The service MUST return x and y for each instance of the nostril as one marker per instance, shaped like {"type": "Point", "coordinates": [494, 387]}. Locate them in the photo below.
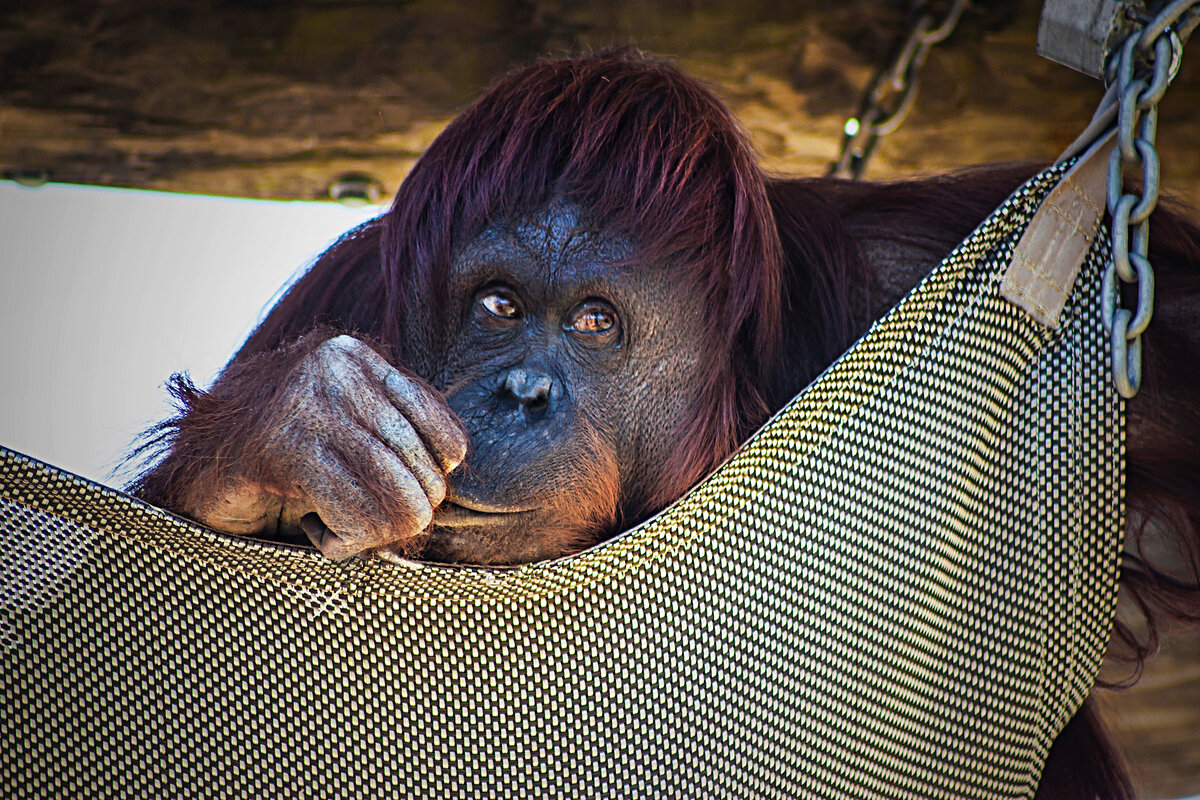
{"type": "Point", "coordinates": [536, 402]}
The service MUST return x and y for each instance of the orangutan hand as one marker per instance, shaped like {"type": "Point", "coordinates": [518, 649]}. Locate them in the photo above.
{"type": "Point", "coordinates": [354, 452]}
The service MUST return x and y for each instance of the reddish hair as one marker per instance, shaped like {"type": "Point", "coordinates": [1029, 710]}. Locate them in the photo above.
{"type": "Point", "coordinates": [648, 153]}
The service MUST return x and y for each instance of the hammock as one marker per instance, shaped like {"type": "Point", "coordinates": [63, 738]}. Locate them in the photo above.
{"type": "Point", "coordinates": [900, 587]}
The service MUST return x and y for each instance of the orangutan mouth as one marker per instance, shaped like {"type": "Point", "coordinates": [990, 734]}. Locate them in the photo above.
{"type": "Point", "coordinates": [463, 513]}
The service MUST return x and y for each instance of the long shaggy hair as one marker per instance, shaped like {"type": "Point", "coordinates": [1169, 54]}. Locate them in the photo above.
{"type": "Point", "coordinates": [650, 154]}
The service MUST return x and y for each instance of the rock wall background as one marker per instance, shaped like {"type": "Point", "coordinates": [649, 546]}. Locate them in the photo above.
{"type": "Point", "coordinates": [279, 99]}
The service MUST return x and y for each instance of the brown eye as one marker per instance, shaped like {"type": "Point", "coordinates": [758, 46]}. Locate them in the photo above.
{"type": "Point", "coordinates": [499, 304]}
{"type": "Point", "coordinates": [593, 319]}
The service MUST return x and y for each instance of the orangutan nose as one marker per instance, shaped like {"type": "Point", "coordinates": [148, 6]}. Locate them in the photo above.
{"type": "Point", "coordinates": [531, 388]}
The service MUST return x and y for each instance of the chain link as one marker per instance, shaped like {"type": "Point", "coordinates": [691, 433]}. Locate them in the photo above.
{"type": "Point", "coordinates": [1142, 69]}
{"type": "Point", "coordinates": [890, 96]}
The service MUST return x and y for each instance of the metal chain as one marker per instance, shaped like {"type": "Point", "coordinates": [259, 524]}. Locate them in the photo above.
{"type": "Point", "coordinates": [890, 96]}
{"type": "Point", "coordinates": [1142, 69]}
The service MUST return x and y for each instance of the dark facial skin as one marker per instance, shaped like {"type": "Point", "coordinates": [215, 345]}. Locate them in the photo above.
{"type": "Point", "coordinates": [569, 364]}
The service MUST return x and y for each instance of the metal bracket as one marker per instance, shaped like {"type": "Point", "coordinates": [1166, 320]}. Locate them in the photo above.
{"type": "Point", "coordinates": [1082, 34]}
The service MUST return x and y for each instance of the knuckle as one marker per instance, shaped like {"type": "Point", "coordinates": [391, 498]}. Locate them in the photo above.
{"type": "Point", "coordinates": [342, 343]}
{"type": "Point", "coordinates": [336, 353]}
{"type": "Point", "coordinates": [324, 362]}
{"type": "Point", "coordinates": [396, 381]}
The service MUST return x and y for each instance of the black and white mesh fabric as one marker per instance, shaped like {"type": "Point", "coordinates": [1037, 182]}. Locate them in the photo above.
{"type": "Point", "coordinates": [901, 587]}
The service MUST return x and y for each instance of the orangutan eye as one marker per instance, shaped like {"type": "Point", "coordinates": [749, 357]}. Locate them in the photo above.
{"type": "Point", "coordinates": [593, 318]}
{"type": "Point", "coordinates": [500, 304]}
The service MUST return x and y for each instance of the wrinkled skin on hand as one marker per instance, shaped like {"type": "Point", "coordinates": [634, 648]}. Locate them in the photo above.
{"type": "Point", "coordinates": [359, 462]}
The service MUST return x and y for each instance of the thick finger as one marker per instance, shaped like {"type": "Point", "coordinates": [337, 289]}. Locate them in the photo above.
{"type": "Point", "coordinates": [419, 403]}
{"type": "Point", "coordinates": [363, 395]}
{"type": "Point", "coordinates": [379, 416]}
{"type": "Point", "coordinates": [376, 502]}
{"type": "Point", "coordinates": [348, 512]}
{"type": "Point", "coordinates": [432, 418]}
{"type": "Point", "coordinates": [398, 491]}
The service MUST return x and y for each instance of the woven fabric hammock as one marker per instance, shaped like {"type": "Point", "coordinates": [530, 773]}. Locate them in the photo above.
{"type": "Point", "coordinates": [900, 587]}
